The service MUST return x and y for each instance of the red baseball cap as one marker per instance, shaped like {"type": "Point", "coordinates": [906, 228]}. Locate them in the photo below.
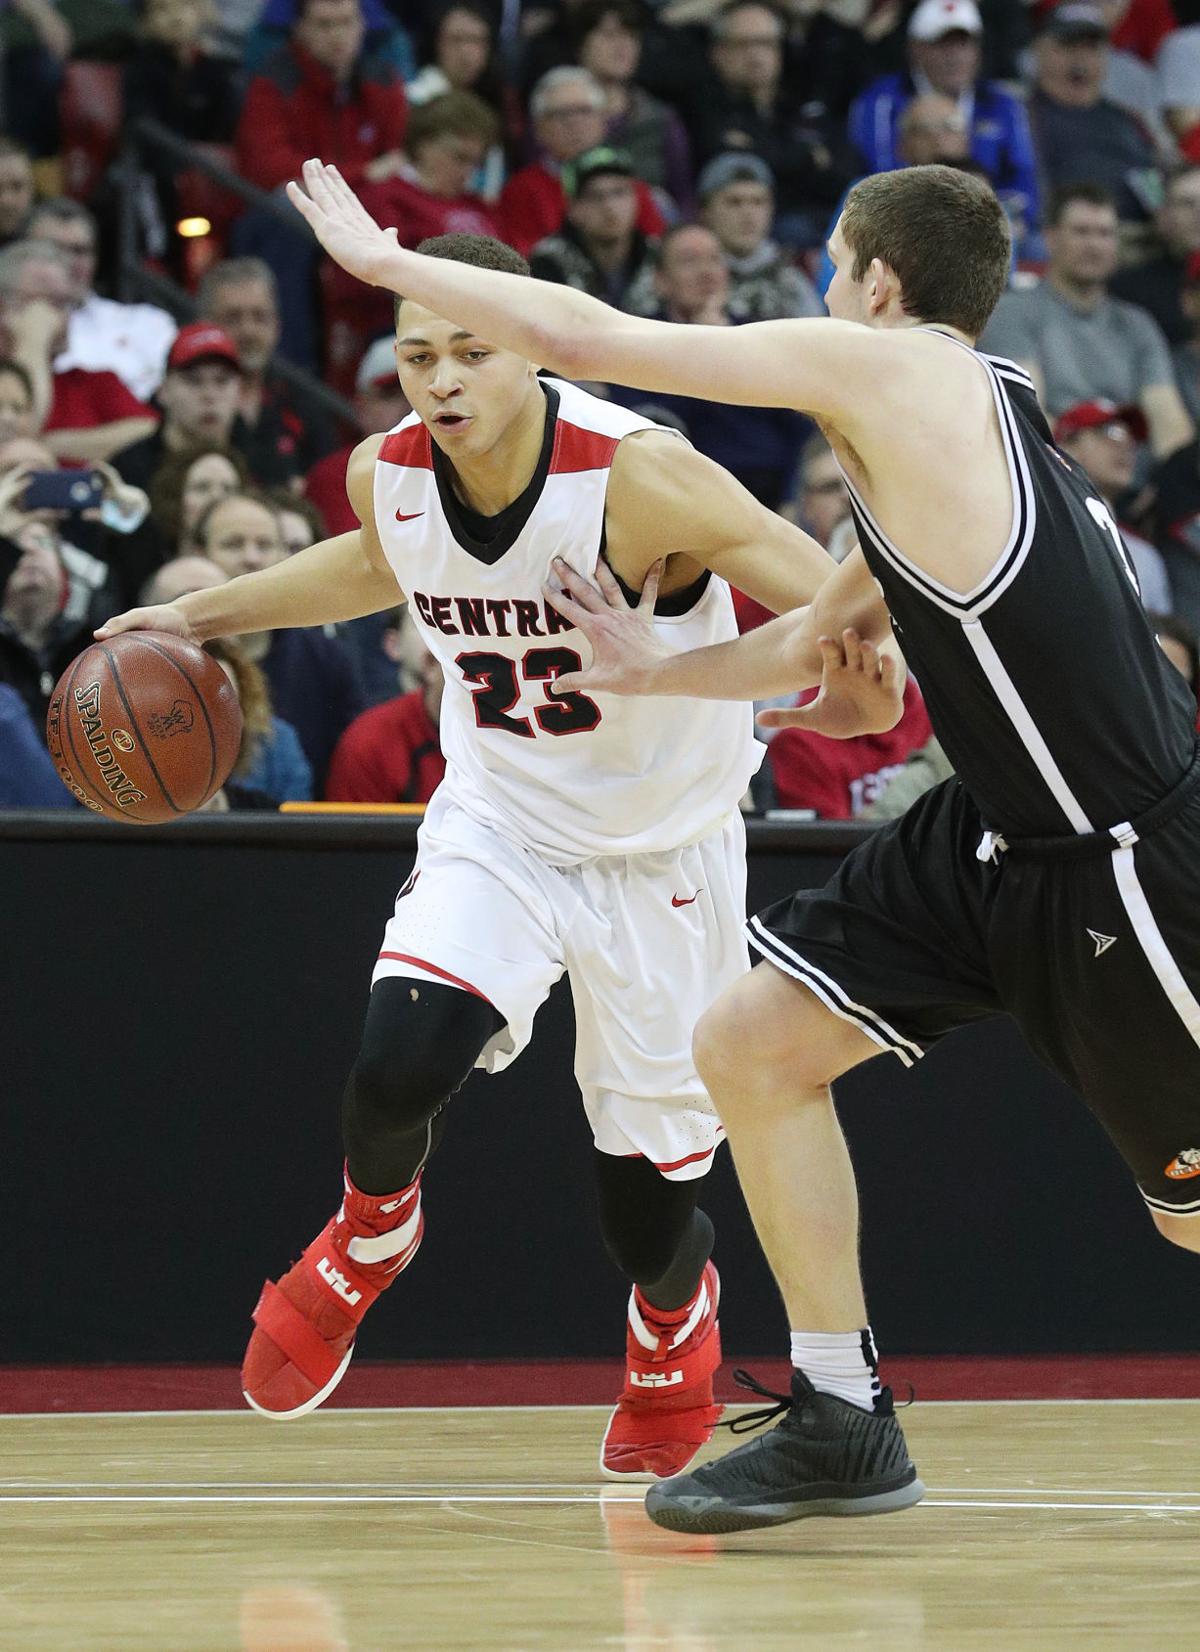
{"type": "Point", "coordinates": [1095, 415]}
{"type": "Point", "coordinates": [201, 341]}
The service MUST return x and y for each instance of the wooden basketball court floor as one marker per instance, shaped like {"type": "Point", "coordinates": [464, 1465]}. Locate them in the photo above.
{"type": "Point", "coordinates": [1047, 1525]}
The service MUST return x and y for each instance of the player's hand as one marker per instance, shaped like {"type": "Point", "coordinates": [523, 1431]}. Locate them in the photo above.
{"type": "Point", "coordinates": [342, 224]}
{"type": "Point", "coordinates": [625, 646]}
{"type": "Point", "coordinates": [861, 692]}
{"type": "Point", "coordinates": [164, 617]}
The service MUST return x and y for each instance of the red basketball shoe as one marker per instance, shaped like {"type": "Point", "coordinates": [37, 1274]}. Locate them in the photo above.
{"type": "Point", "coordinates": [306, 1324]}
{"type": "Point", "coordinates": [666, 1410]}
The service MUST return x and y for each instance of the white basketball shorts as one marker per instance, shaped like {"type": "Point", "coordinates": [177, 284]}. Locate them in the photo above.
{"type": "Point", "coordinates": [647, 942]}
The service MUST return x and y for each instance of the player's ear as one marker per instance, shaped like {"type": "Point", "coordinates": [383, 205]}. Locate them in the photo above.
{"type": "Point", "coordinates": [881, 282]}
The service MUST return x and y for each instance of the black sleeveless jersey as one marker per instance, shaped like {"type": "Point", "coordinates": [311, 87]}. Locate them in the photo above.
{"type": "Point", "coordinates": [1045, 684]}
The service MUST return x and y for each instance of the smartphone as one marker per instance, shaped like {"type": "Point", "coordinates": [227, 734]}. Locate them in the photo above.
{"type": "Point", "coordinates": [63, 490]}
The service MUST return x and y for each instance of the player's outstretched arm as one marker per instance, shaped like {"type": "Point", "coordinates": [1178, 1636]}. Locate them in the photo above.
{"type": "Point", "coordinates": [862, 683]}
{"type": "Point", "coordinates": [336, 579]}
{"type": "Point", "coordinates": [821, 366]}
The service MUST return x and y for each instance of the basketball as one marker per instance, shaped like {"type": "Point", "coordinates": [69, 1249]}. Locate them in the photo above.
{"type": "Point", "coordinates": [144, 727]}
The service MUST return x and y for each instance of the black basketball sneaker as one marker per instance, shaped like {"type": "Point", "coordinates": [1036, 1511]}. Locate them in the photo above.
{"type": "Point", "coordinates": [825, 1457]}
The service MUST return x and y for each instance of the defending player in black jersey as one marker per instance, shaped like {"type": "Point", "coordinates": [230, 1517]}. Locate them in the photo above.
{"type": "Point", "coordinates": [1057, 878]}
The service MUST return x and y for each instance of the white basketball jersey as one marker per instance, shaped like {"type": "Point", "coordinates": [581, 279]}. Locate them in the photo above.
{"type": "Point", "coordinates": [582, 775]}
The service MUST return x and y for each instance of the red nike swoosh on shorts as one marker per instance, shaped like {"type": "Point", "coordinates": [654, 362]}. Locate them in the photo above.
{"type": "Point", "coordinates": [408, 516]}
{"type": "Point", "coordinates": [675, 900]}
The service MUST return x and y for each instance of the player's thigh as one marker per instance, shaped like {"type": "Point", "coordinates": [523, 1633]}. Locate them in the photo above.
{"type": "Point", "coordinates": [769, 1030]}
{"type": "Point", "coordinates": [478, 914]}
{"type": "Point", "coordinates": [653, 939]}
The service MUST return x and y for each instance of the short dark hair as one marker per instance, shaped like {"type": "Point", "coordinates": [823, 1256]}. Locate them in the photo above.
{"type": "Point", "coordinates": [1067, 195]}
{"type": "Point", "coordinates": [592, 13]}
{"type": "Point", "coordinates": [943, 233]}
{"type": "Point", "coordinates": [481, 252]}
{"type": "Point", "coordinates": [456, 114]}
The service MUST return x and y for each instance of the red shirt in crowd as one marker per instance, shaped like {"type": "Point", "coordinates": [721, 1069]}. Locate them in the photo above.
{"type": "Point", "coordinates": [389, 754]}
{"type": "Point", "coordinates": [325, 487]}
{"type": "Point", "coordinates": [401, 204]}
{"type": "Point", "coordinates": [295, 109]}
{"type": "Point", "coordinates": [82, 400]}
{"type": "Point", "coordinates": [532, 206]}
{"type": "Point", "coordinates": [839, 778]}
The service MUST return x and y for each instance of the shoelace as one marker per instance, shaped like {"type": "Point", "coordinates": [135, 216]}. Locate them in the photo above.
{"type": "Point", "coordinates": [768, 1413]}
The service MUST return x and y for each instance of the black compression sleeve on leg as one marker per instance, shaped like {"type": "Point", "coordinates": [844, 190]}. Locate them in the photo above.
{"type": "Point", "coordinates": [652, 1229]}
{"type": "Point", "coordinates": [419, 1044]}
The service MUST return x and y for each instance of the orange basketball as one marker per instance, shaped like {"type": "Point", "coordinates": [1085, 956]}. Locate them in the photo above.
{"type": "Point", "coordinates": [144, 727]}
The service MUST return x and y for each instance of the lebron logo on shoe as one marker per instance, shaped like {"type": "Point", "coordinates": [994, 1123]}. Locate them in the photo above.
{"type": "Point", "coordinates": [1184, 1165]}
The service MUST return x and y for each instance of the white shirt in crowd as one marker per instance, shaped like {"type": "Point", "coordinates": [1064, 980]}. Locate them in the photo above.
{"type": "Point", "coordinates": [130, 340]}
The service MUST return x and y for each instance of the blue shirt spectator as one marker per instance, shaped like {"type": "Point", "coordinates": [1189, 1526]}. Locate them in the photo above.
{"type": "Point", "coordinates": [945, 55]}
{"type": "Point", "coordinates": [27, 777]}
{"type": "Point", "coordinates": [280, 768]}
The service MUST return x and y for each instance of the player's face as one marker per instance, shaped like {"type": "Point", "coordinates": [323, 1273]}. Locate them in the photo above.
{"type": "Point", "coordinates": [465, 390]}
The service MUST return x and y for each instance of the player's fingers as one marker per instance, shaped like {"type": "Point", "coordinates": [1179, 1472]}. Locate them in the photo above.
{"type": "Point", "coordinates": [784, 716]}
{"type": "Point", "coordinates": [889, 671]}
{"type": "Point", "coordinates": [130, 621]}
{"type": "Point", "coordinates": [567, 683]}
{"type": "Point", "coordinates": [584, 592]}
{"type": "Point", "coordinates": [610, 585]}
{"type": "Point", "coordinates": [831, 653]}
{"type": "Point", "coordinates": [870, 659]}
{"type": "Point", "coordinates": [304, 204]}
{"type": "Point", "coordinates": [568, 609]}
{"type": "Point", "coordinates": [650, 588]}
{"type": "Point", "coordinates": [852, 649]}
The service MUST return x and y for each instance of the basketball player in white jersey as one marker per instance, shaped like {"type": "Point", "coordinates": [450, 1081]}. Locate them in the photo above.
{"type": "Point", "coordinates": [595, 836]}
{"type": "Point", "coordinates": [1067, 838]}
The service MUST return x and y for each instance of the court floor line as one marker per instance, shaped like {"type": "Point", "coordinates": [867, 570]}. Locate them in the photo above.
{"type": "Point", "coordinates": [450, 1498]}
{"type": "Point", "coordinates": [494, 1488]}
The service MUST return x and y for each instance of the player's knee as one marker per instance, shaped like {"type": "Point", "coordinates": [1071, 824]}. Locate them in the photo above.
{"type": "Point", "coordinates": [1183, 1231]}
{"type": "Point", "coordinates": [419, 1044]}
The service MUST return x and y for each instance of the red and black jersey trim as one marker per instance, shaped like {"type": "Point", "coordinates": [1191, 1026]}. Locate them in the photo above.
{"type": "Point", "coordinates": [410, 447]}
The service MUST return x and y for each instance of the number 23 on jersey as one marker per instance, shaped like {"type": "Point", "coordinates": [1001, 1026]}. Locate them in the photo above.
{"type": "Point", "coordinates": [497, 688]}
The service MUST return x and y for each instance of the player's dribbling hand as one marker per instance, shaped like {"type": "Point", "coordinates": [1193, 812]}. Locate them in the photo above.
{"type": "Point", "coordinates": [164, 617]}
{"type": "Point", "coordinates": [341, 223]}
{"type": "Point", "coordinates": [861, 692]}
{"type": "Point", "coordinates": [625, 647]}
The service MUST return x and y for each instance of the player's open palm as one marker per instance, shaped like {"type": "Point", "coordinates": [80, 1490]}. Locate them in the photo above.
{"type": "Point", "coordinates": [625, 645]}
{"type": "Point", "coordinates": [861, 692]}
{"type": "Point", "coordinates": [340, 222]}
{"type": "Point", "coordinates": [162, 617]}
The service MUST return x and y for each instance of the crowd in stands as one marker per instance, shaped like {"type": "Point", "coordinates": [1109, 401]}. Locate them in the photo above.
{"type": "Point", "coordinates": [168, 341]}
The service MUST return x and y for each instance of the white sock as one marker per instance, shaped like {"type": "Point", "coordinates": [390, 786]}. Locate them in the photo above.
{"type": "Point", "coordinates": [844, 1363]}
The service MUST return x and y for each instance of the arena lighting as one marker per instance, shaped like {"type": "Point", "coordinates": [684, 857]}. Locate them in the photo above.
{"type": "Point", "coordinates": [191, 228]}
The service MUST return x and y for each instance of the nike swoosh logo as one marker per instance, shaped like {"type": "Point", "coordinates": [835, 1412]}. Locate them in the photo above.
{"type": "Point", "coordinates": [408, 516]}
{"type": "Point", "coordinates": [675, 900]}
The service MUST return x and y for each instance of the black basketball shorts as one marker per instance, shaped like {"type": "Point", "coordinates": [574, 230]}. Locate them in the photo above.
{"type": "Point", "coordinates": [1093, 950]}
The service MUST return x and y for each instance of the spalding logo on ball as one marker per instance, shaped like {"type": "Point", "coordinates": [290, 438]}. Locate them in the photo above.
{"type": "Point", "coordinates": [145, 727]}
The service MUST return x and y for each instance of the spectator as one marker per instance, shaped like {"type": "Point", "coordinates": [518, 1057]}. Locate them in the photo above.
{"type": "Point", "coordinates": [822, 503]}
{"type": "Point", "coordinates": [383, 36]}
{"type": "Point", "coordinates": [567, 107]}
{"type": "Point", "coordinates": [180, 576]}
{"type": "Point", "coordinates": [271, 767]}
{"type": "Point", "coordinates": [300, 523]}
{"type": "Point", "coordinates": [608, 43]}
{"type": "Point", "coordinates": [747, 107]}
{"type": "Point", "coordinates": [1081, 137]}
{"type": "Point", "coordinates": [17, 416]}
{"type": "Point", "coordinates": [27, 777]}
{"type": "Point", "coordinates": [1179, 643]}
{"type": "Point", "coordinates": [1179, 79]}
{"type": "Point", "coordinates": [32, 75]}
{"type": "Point", "coordinates": [448, 139]}
{"type": "Point", "coordinates": [1079, 344]}
{"type": "Point", "coordinates": [839, 778]}
{"type": "Point", "coordinates": [318, 95]}
{"type": "Point", "coordinates": [130, 340]}
{"type": "Point", "coordinates": [16, 190]}
{"type": "Point", "coordinates": [380, 404]}
{"type": "Point", "coordinates": [1186, 356]}
{"type": "Point", "coordinates": [87, 416]}
{"type": "Point", "coordinates": [737, 202]}
{"type": "Point", "coordinates": [392, 753]}
{"type": "Point", "coordinates": [199, 400]}
{"type": "Point", "coordinates": [599, 249]}
{"type": "Point", "coordinates": [1157, 285]}
{"type": "Point", "coordinates": [185, 484]}
{"type": "Point", "coordinates": [945, 55]}
{"type": "Point", "coordinates": [172, 77]}
{"type": "Point", "coordinates": [38, 639]}
{"type": "Point", "coordinates": [282, 430]}
{"type": "Point", "coordinates": [1177, 521]}
{"type": "Point", "coordinates": [927, 766]}
{"type": "Point", "coordinates": [313, 682]}
{"type": "Point", "coordinates": [1104, 440]}
{"type": "Point", "coordinates": [464, 61]}
{"type": "Point", "coordinates": [758, 445]}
